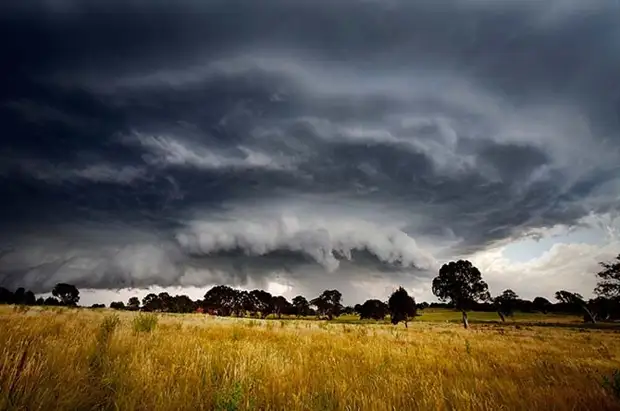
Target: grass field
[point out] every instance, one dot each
(100, 359)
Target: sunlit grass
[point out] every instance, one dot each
(86, 359)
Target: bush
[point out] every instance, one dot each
(144, 323)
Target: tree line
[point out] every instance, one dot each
(459, 285)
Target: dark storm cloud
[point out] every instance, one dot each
(225, 141)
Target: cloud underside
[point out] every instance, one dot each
(338, 143)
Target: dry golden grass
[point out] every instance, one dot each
(82, 360)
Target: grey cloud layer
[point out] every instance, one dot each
(320, 141)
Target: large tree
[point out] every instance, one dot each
(402, 306)
(373, 309)
(280, 305)
(68, 293)
(302, 306)
(262, 302)
(183, 304)
(505, 303)
(133, 304)
(151, 302)
(460, 283)
(328, 304)
(222, 298)
(575, 300)
(541, 304)
(6, 296)
(609, 279)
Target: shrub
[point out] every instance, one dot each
(144, 323)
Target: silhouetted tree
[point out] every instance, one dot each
(117, 305)
(97, 306)
(68, 293)
(20, 296)
(261, 302)
(373, 309)
(166, 301)
(348, 310)
(151, 302)
(6, 296)
(221, 299)
(460, 283)
(51, 301)
(133, 304)
(575, 300)
(40, 301)
(183, 304)
(505, 303)
(541, 304)
(302, 306)
(609, 280)
(280, 305)
(402, 306)
(328, 304)
(605, 309)
(422, 306)
(30, 298)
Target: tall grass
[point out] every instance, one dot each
(144, 322)
(85, 359)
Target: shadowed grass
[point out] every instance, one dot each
(194, 362)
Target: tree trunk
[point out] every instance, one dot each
(406, 326)
(501, 315)
(465, 321)
(589, 314)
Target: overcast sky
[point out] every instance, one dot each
(302, 145)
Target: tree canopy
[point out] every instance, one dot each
(68, 293)
(328, 304)
(402, 306)
(373, 310)
(609, 279)
(460, 283)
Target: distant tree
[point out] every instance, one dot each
(240, 303)
(117, 305)
(280, 305)
(261, 302)
(30, 298)
(605, 309)
(20, 296)
(506, 303)
(97, 306)
(358, 309)
(183, 304)
(460, 283)
(40, 301)
(422, 306)
(166, 302)
(348, 310)
(328, 304)
(525, 306)
(609, 280)
(151, 302)
(221, 299)
(373, 310)
(133, 304)
(575, 300)
(402, 306)
(68, 293)
(6, 296)
(302, 306)
(51, 301)
(541, 304)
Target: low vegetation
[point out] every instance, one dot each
(94, 359)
